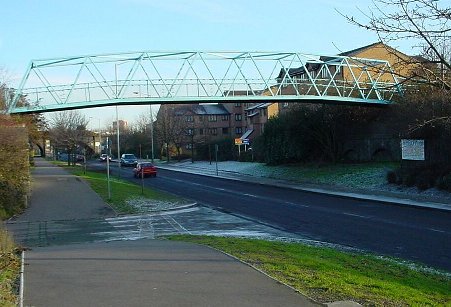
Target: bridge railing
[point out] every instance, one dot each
(158, 77)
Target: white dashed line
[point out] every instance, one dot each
(250, 195)
(298, 205)
(356, 215)
(436, 230)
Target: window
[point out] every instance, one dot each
(238, 130)
(225, 117)
(190, 131)
(189, 146)
(212, 118)
(201, 118)
(189, 118)
(201, 131)
(238, 117)
(237, 104)
(324, 72)
(285, 105)
(213, 131)
(287, 81)
(225, 130)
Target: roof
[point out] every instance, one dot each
(201, 109)
(357, 50)
(246, 134)
(315, 66)
(298, 71)
(259, 106)
(210, 109)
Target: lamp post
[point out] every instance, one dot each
(151, 132)
(118, 143)
(117, 118)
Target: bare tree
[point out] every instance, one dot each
(172, 128)
(68, 131)
(427, 23)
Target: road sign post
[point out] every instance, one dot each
(239, 142)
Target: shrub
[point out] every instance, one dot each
(444, 182)
(14, 173)
(392, 177)
(409, 179)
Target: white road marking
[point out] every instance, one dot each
(298, 205)
(22, 282)
(436, 230)
(356, 215)
(250, 195)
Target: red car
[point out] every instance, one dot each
(145, 169)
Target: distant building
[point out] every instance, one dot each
(122, 125)
(190, 125)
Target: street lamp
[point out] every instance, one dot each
(117, 116)
(118, 139)
(151, 132)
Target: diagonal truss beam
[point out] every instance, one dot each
(201, 76)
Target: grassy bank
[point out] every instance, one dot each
(327, 275)
(122, 191)
(9, 270)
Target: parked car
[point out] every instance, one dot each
(103, 157)
(145, 169)
(129, 160)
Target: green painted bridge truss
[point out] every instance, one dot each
(200, 77)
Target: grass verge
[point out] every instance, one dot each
(327, 275)
(354, 175)
(9, 269)
(121, 190)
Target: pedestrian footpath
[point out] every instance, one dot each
(372, 195)
(131, 273)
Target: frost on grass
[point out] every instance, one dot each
(143, 205)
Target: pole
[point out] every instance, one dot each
(192, 146)
(84, 161)
(100, 140)
(209, 152)
(118, 144)
(216, 157)
(151, 131)
(142, 180)
(108, 166)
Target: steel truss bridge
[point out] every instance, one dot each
(151, 77)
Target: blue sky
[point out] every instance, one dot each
(37, 29)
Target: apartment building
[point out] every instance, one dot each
(208, 122)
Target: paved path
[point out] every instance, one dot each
(58, 195)
(147, 273)
(131, 273)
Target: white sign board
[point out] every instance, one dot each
(412, 150)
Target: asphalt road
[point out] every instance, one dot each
(421, 235)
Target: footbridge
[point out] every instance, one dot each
(152, 77)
